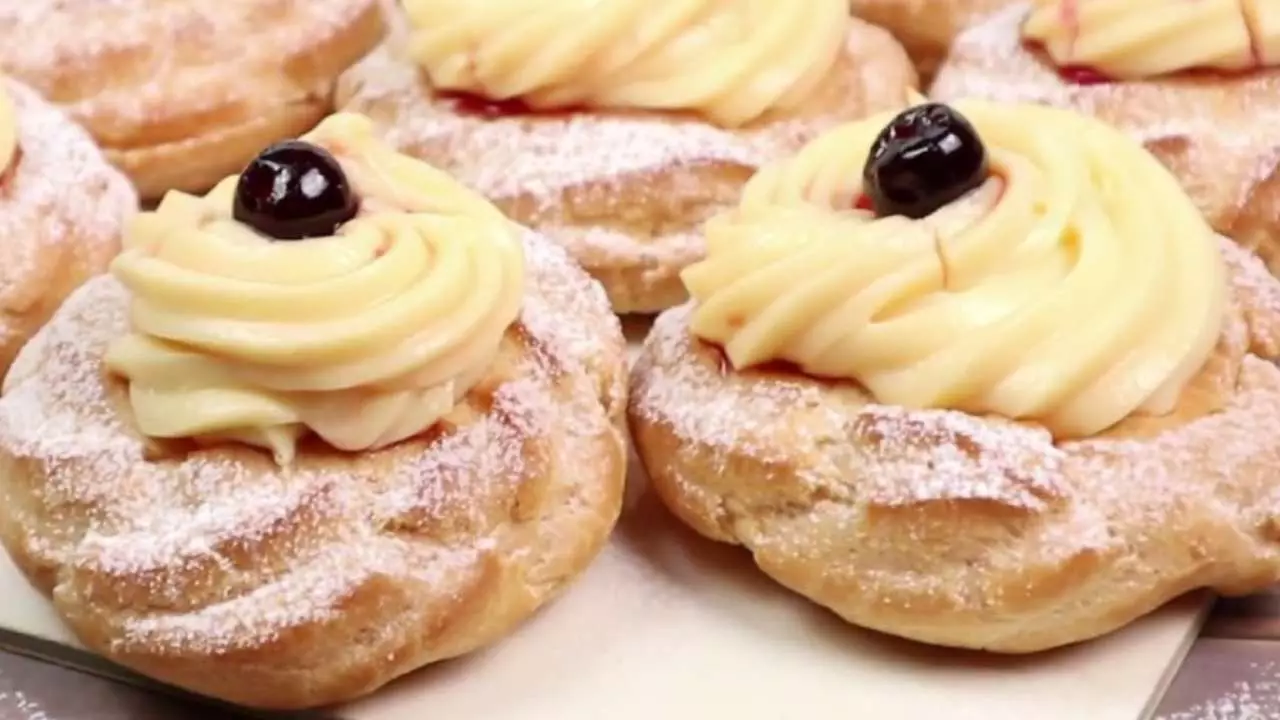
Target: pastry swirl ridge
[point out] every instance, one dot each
(1134, 39)
(1075, 287)
(364, 338)
(731, 62)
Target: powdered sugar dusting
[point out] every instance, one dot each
(217, 551)
(935, 455)
(1081, 532)
(1256, 700)
(1219, 135)
(1259, 298)
(509, 156)
(120, 66)
(15, 701)
(61, 205)
(512, 158)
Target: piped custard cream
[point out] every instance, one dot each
(730, 61)
(1074, 286)
(364, 337)
(1135, 39)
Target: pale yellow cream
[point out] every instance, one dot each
(8, 129)
(731, 61)
(1135, 39)
(1076, 286)
(363, 338)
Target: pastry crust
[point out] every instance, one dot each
(1212, 131)
(182, 93)
(626, 193)
(62, 211)
(216, 571)
(925, 28)
(975, 532)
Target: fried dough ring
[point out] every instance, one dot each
(182, 93)
(967, 531)
(63, 209)
(217, 571)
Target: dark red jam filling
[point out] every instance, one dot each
(469, 104)
(1086, 76)
(464, 103)
(1082, 75)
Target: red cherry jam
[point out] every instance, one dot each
(469, 104)
(1082, 75)
(464, 103)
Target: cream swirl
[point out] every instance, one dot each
(731, 61)
(365, 338)
(1135, 39)
(1074, 287)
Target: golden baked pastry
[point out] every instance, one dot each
(181, 93)
(1194, 87)
(1010, 392)
(926, 28)
(617, 128)
(62, 210)
(283, 469)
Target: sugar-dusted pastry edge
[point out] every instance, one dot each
(960, 531)
(63, 210)
(190, 148)
(334, 641)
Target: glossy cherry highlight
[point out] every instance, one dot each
(926, 157)
(294, 190)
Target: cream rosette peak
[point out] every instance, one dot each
(365, 337)
(731, 61)
(1075, 286)
(1135, 39)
